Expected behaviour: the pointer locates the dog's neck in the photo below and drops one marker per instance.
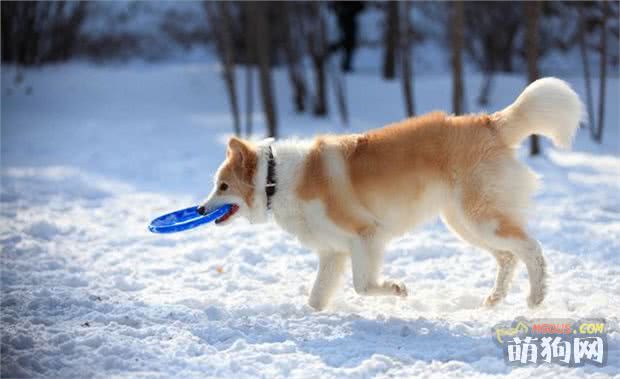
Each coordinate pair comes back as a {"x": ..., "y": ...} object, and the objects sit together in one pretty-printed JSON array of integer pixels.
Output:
[
  {"x": 288, "y": 159},
  {"x": 264, "y": 182},
  {"x": 270, "y": 185}
]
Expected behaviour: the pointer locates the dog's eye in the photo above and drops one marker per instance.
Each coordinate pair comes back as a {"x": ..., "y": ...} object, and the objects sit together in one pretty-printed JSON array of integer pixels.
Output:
[{"x": 223, "y": 187}]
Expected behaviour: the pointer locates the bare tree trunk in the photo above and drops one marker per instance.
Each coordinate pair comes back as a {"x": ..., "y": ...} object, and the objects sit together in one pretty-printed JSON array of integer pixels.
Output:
[
  {"x": 320, "y": 101},
  {"x": 340, "y": 92},
  {"x": 532, "y": 13},
  {"x": 262, "y": 42},
  {"x": 250, "y": 60},
  {"x": 220, "y": 22},
  {"x": 249, "y": 98},
  {"x": 603, "y": 79},
  {"x": 405, "y": 53},
  {"x": 586, "y": 67},
  {"x": 390, "y": 40},
  {"x": 317, "y": 41},
  {"x": 292, "y": 33},
  {"x": 457, "y": 34},
  {"x": 487, "y": 84}
]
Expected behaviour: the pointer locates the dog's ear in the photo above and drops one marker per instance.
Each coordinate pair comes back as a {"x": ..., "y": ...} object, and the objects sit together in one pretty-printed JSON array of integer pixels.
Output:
[
  {"x": 242, "y": 156},
  {"x": 238, "y": 147}
]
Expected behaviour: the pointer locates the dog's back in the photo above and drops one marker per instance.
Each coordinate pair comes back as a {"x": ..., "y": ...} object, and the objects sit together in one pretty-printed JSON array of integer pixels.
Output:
[{"x": 469, "y": 159}]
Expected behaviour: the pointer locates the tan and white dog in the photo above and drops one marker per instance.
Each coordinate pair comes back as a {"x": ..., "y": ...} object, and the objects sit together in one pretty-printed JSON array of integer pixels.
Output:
[{"x": 348, "y": 196}]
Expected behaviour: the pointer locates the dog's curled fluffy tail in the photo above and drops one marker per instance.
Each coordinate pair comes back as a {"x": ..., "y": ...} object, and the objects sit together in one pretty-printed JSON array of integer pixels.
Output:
[{"x": 548, "y": 107}]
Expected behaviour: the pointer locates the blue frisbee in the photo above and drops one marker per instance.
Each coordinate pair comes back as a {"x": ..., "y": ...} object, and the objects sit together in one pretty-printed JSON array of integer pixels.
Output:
[{"x": 185, "y": 219}]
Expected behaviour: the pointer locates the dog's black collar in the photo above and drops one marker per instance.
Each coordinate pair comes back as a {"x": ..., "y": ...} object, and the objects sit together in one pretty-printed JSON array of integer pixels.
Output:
[{"x": 270, "y": 186}]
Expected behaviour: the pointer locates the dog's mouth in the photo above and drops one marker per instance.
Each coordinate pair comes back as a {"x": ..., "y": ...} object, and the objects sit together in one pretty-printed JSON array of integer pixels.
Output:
[{"x": 233, "y": 209}]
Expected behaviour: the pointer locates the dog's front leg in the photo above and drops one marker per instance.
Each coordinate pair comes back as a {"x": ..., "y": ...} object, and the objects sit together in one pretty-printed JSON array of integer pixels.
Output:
[
  {"x": 366, "y": 262},
  {"x": 331, "y": 266}
]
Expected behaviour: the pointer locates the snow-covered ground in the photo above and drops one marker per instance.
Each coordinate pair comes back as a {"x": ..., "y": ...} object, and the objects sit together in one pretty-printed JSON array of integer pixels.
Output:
[{"x": 93, "y": 153}]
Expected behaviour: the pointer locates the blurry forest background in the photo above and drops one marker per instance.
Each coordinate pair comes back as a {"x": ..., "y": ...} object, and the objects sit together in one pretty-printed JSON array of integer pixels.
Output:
[
  {"x": 317, "y": 43},
  {"x": 116, "y": 112}
]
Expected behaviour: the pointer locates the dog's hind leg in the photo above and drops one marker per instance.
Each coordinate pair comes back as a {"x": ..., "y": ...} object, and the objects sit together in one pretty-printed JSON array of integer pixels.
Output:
[
  {"x": 494, "y": 200},
  {"x": 530, "y": 252},
  {"x": 328, "y": 277},
  {"x": 505, "y": 233},
  {"x": 506, "y": 264},
  {"x": 508, "y": 237},
  {"x": 506, "y": 261},
  {"x": 366, "y": 262}
]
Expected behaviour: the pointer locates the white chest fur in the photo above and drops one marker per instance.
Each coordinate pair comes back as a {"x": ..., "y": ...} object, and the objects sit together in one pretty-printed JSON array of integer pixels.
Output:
[{"x": 307, "y": 220}]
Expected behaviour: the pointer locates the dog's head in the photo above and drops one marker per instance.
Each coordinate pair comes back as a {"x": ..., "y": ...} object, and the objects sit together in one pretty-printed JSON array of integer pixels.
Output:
[{"x": 237, "y": 182}]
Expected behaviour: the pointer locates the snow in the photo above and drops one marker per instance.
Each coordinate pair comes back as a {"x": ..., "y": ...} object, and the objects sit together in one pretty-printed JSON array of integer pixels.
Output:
[{"x": 95, "y": 152}]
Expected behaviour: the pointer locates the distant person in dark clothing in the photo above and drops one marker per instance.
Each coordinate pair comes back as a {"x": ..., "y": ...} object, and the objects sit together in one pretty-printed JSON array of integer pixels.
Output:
[{"x": 346, "y": 13}]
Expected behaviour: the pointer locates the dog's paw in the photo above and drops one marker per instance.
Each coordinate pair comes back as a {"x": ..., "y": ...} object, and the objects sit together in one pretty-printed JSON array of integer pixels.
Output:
[
  {"x": 534, "y": 300},
  {"x": 317, "y": 304},
  {"x": 491, "y": 300},
  {"x": 398, "y": 288}
]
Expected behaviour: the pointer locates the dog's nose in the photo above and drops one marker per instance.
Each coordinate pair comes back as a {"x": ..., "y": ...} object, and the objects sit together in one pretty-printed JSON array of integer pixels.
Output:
[{"x": 201, "y": 210}]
